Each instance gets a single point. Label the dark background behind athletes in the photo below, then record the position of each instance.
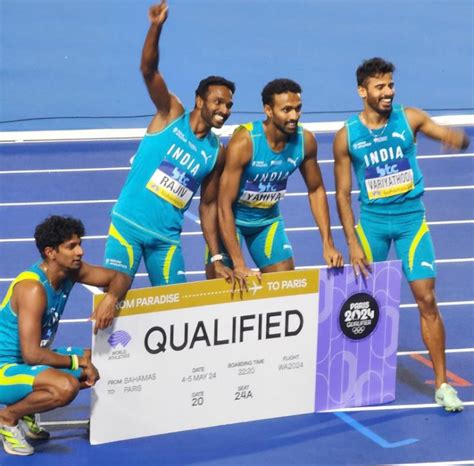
(81, 59)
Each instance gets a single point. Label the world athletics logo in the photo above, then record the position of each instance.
(120, 337)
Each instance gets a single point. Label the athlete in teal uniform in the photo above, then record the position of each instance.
(178, 155)
(34, 378)
(259, 159)
(380, 143)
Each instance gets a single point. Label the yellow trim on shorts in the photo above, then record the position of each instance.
(416, 241)
(270, 238)
(364, 242)
(167, 265)
(23, 276)
(114, 233)
(23, 379)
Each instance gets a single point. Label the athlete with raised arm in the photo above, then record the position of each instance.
(178, 155)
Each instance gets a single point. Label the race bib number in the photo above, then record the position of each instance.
(389, 180)
(263, 195)
(172, 184)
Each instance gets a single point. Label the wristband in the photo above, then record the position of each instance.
(217, 257)
(74, 362)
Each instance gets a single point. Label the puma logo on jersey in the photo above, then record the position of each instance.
(206, 157)
(292, 161)
(399, 135)
(427, 264)
(287, 246)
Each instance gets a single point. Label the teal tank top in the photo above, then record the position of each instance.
(389, 178)
(263, 181)
(166, 172)
(10, 351)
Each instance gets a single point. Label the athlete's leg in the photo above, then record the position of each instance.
(432, 327)
(414, 248)
(51, 389)
(282, 266)
(270, 247)
(373, 231)
(123, 248)
(164, 262)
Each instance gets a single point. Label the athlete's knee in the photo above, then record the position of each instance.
(426, 302)
(64, 389)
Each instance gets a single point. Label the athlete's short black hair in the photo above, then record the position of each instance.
(373, 67)
(204, 84)
(278, 86)
(55, 230)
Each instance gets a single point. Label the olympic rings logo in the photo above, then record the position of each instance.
(358, 330)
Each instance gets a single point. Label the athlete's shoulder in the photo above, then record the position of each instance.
(308, 136)
(342, 131)
(242, 133)
(415, 117)
(161, 123)
(250, 127)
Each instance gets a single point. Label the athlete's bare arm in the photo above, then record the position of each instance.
(117, 285)
(167, 104)
(451, 138)
(343, 177)
(318, 200)
(208, 216)
(238, 155)
(29, 302)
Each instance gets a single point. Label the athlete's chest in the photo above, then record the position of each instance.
(390, 144)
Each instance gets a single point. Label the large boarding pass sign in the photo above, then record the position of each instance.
(193, 355)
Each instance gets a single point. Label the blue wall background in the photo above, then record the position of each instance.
(81, 59)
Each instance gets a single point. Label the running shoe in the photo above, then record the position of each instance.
(14, 441)
(447, 397)
(32, 429)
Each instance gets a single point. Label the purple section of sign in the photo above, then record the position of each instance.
(357, 372)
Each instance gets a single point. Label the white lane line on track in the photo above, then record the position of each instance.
(112, 201)
(290, 230)
(392, 407)
(116, 134)
(92, 289)
(126, 168)
(451, 351)
(438, 463)
(63, 170)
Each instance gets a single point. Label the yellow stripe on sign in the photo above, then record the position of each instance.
(365, 244)
(114, 233)
(209, 292)
(416, 241)
(23, 379)
(270, 238)
(20, 278)
(167, 265)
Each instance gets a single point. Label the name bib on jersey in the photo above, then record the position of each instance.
(263, 195)
(172, 184)
(389, 179)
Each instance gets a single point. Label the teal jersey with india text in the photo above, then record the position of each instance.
(10, 350)
(385, 164)
(263, 181)
(166, 173)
